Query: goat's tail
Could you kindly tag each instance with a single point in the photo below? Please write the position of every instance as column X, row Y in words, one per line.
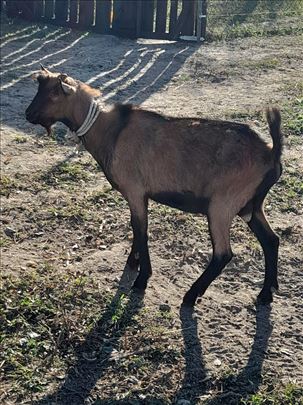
column 274, row 122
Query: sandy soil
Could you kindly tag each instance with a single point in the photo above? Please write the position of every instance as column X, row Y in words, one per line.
column 218, row 80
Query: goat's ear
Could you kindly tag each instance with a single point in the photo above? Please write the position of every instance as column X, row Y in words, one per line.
column 67, row 88
column 63, row 77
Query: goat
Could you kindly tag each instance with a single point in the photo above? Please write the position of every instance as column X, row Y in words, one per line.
column 218, row 168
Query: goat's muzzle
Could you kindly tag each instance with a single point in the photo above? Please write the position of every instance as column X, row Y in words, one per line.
column 31, row 116
column 35, row 119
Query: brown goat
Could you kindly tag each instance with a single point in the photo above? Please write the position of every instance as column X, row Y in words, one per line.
column 217, row 168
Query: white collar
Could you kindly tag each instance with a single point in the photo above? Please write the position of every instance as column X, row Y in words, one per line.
column 92, row 115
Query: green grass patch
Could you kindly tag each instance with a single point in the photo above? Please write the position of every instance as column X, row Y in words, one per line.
column 70, row 213
column 288, row 192
column 289, row 394
column 52, row 319
column 253, row 18
column 69, row 173
column 43, row 315
column 7, row 185
column 292, row 110
column 108, row 196
column 263, row 64
column 20, row 139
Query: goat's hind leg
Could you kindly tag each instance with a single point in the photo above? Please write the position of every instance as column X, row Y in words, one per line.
column 219, row 227
column 270, row 245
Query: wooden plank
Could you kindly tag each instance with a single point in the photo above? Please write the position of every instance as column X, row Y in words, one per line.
column 204, row 19
column 161, row 13
column 27, row 8
column 103, row 11
column 139, row 18
column 86, row 13
column 199, row 20
column 173, row 15
column 38, row 9
column 61, row 9
column 49, row 9
column 147, row 15
column 185, row 23
column 73, row 12
column 189, row 17
column 12, row 8
column 124, row 18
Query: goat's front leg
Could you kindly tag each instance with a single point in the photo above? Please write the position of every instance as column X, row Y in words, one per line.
column 133, row 258
column 138, row 209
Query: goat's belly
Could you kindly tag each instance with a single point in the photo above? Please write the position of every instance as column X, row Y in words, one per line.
column 185, row 201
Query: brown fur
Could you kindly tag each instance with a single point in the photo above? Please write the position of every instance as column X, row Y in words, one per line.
column 218, row 168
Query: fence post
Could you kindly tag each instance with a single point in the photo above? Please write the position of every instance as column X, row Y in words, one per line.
column 86, row 13
column 13, row 8
column 124, row 18
column 61, row 11
column 204, row 19
column 103, row 16
column 185, row 23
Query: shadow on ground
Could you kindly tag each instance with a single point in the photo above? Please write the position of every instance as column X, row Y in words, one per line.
column 125, row 70
column 234, row 388
column 94, row 355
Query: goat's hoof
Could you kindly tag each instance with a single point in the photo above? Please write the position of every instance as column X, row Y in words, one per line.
column 139, row 292
column 139, row 285
column 264, row 298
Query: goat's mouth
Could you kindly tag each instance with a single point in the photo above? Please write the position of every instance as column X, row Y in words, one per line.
column 47, row 124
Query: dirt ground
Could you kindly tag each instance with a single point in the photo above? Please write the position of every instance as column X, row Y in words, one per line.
column 57, row 209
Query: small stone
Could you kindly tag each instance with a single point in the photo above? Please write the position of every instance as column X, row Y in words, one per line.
column 217, row 362
column 22, row 341
column 33, row 335
column 183, row 402
column 39, row 233
column 10, row 232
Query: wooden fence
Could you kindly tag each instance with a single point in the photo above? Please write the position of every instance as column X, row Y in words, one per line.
column 163, row 19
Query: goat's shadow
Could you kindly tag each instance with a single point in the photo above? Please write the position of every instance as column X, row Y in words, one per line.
column 236, row 388
column 93, row 355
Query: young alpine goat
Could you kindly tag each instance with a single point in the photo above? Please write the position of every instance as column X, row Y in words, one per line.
column 217, row 168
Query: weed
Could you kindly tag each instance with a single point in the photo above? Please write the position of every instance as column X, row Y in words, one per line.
column 7, row 184
column 41, row 315
column 289, row 394
column 263, row 64
column 20, row 139
column 68, row 173
column 71, row 213
column 4, row 242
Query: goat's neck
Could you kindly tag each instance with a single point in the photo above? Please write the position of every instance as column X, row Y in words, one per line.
column 78, row 112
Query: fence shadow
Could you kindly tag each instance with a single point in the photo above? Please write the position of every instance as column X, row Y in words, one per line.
column 236, row 387
column 124, row 70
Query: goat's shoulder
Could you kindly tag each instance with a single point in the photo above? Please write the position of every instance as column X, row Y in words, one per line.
column 124, row 110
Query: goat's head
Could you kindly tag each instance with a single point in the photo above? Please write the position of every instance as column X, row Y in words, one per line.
column 55, row 98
